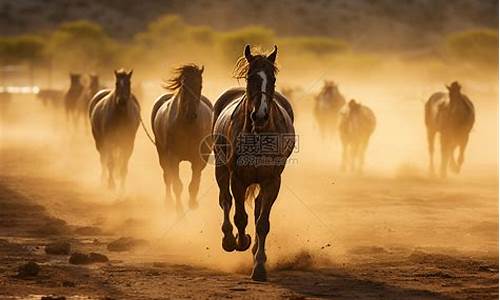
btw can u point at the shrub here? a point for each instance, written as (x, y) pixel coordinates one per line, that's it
(474, 46)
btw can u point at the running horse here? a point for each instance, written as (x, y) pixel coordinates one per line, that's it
(114, 118)
(181, 123)
(452, 115)
(254, 135)
(72, 96)
(357, 123)
(87, 94)
(327, 107)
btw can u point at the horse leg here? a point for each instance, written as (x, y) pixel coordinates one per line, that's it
(110, 161)
(256, 214)
(238, 189)
(463, 145)
(345, 156)
(453, 163)
(269, 194)
(125, 154)
(225, 202)
(354, 156)
(177, 187)
(430, 144)
(194, 185)
(445, 155)
(103, 160)
(361, 154)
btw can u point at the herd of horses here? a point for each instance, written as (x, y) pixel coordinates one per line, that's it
(255, 123)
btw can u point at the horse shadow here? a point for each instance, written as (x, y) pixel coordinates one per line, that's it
(339, 284)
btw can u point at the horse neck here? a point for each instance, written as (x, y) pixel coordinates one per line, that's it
(187, 101)
(115, 99)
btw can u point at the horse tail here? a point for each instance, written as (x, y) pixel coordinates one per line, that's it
(252, 192)
(164, 98)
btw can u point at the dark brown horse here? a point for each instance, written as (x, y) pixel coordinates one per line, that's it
(254, 136)
(87, 94)
(453, 116)
(327, 106)
(357, 123)
(114, 117)
(180, 123)
(72, 96)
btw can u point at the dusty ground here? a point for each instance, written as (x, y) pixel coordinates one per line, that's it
(385, 235)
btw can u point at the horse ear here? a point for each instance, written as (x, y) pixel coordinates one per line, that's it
(272, 56)
(202, 69)
(129, 74)
(116, 73)
(248, 54)
(448, 87)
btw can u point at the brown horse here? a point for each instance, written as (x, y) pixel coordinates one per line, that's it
(453, 116)
(180, 123)
(71, 98)
(327, 106)
(254, 136)
(114, 117)
(87, 94)
(357, 123)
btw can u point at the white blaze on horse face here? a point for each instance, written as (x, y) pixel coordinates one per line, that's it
(261, 113)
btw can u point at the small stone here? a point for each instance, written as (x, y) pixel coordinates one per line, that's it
(78, 258)
(58, 248)
(29, 269)
(53, 298)
(98, 258)
(67, 283)
(125, 244)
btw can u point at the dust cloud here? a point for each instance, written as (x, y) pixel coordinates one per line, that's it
(322, 216)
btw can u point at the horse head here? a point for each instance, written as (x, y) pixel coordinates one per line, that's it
(354, 106)
(122, 86)
(75, 79)
(188, 81)
(454, 90)
(260, 73)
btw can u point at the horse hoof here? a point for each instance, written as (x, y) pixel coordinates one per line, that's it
(243, 243)
(259, 273)
(193, 204)
(228, 243)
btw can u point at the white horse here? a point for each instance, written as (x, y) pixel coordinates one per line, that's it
(182, 124)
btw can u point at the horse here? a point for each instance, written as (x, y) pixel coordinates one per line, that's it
(114, 118)
(357, 124)
(72, 96)
(254, 136)
(451, 114)
(87, 94)
(181, 123)
(327, 106)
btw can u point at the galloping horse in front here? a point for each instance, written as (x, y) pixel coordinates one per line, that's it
(327, 107)
(453, 116)
(114, 117)
(242, 118)
(181, 123)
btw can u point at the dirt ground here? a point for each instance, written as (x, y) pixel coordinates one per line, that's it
(393, 233)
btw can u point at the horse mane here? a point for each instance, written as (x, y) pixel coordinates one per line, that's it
(175, 83)
(242, 66)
